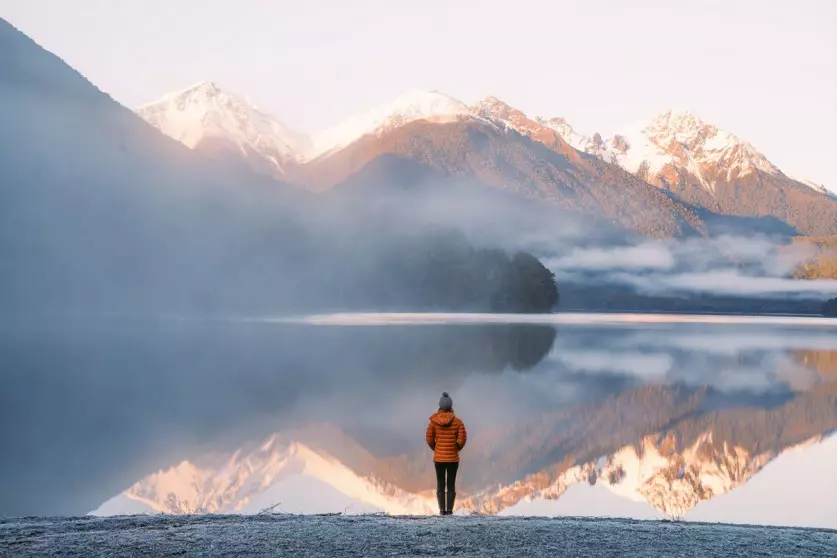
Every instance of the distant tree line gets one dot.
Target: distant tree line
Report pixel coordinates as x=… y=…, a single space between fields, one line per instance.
x=830 y=308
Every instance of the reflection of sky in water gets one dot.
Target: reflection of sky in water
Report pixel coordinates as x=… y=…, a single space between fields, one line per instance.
x=89 y=410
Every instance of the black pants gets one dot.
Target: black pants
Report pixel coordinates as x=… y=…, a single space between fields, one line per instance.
x=446 y=478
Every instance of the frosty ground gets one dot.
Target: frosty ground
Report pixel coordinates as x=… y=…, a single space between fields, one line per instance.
x=263 y=535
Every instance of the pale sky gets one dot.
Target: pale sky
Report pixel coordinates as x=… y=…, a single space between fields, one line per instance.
x=765 y=70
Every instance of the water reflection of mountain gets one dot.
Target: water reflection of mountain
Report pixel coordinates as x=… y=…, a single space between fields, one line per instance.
x=674 y=457
x=88 y=407
x=671 y=446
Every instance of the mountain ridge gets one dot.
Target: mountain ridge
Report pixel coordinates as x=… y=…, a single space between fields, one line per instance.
x=676 y=152
x=476 y=151
x=711 y=168
x=420 y=104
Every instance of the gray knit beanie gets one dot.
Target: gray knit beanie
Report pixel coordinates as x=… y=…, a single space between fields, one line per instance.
x=446 y=403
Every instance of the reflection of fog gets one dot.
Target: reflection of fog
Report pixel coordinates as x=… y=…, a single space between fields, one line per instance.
x=86 y=411
x=751 y=359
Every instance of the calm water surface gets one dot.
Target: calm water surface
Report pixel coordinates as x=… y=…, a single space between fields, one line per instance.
x=630 y=415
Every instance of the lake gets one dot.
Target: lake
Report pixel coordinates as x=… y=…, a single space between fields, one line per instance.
x=705 y=418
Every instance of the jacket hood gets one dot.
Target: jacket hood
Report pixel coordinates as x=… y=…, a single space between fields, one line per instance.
x=442 y=418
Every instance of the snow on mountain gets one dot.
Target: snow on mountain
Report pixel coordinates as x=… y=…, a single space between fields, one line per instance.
x=408 y=107
x=233 y=483
x=675 y=483
x=671 y=482
x=566 y=131
x=246 y=481
x=493 y=109
x=701 y=164
x=676 y=139
x=206 y=113
x=501 y=114
x=497 y=111
x=688 y=140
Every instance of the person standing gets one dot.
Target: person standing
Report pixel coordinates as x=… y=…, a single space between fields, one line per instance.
x=446 y=436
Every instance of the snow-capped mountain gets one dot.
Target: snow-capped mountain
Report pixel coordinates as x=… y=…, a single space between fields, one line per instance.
x=650 y=471
x=494 y=109
x=679 y=140
x=234 y=482
x=484 y=146
x=675 y=482
x=501 y=114
x=674 y=141
x=566 y=131
x=208 y=117
x=709 y=167
x=413 y=105
x=701 y=164
x=205 y=115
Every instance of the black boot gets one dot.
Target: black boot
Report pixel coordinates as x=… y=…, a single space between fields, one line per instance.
x=440 y=497
x=451 y=497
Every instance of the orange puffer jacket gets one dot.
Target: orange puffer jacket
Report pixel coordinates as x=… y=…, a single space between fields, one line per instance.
x=446 y=435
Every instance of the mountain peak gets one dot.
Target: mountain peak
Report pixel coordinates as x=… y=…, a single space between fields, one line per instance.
x=415 y=104
x=680 y=138
x=491 y=100
x=206 y=87
x=680 y=122
x=494 y=108
x=201 y=90
x=205 y=112
x=420 y=103
x=678 y=114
